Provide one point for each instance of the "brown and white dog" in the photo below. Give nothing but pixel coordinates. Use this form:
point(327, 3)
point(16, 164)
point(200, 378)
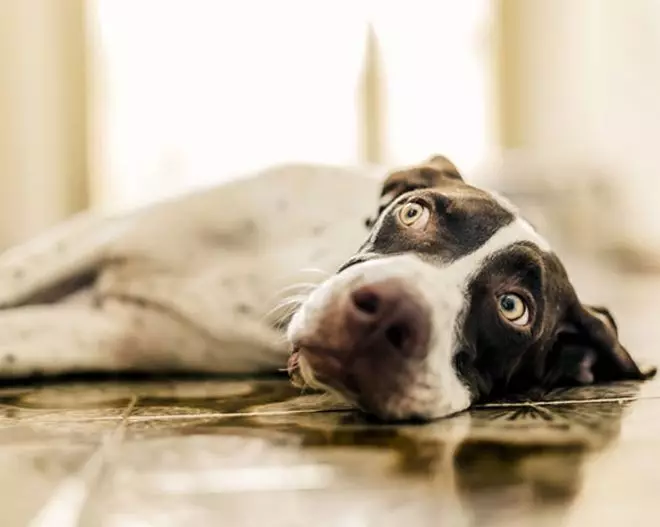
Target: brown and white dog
point(447, 297)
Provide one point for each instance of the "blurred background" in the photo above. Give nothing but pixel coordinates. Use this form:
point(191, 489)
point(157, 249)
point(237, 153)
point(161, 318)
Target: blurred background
point(111, 104)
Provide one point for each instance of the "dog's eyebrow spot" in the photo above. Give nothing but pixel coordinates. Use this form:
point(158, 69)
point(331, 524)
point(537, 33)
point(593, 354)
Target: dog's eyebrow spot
point(17, 274)
point(242, 309)
point(9, 358)
point(318, 230)
point(243, 235)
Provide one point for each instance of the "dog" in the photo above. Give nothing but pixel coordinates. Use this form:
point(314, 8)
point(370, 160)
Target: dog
point(417, 306)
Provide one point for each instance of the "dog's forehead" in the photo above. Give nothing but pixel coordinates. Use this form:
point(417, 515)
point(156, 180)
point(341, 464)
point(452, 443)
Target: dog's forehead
point(465, 222)
point(502, 244)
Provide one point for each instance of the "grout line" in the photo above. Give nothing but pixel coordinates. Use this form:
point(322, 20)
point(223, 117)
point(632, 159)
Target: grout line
point(50, 418)
point(139, 418)
point(53, 418)
point(67, 502)
point(567, 401)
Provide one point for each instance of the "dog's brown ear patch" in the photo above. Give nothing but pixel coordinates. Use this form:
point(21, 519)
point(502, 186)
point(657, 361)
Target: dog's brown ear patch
point(434, 172)
point(443, 164)
point(588, 350)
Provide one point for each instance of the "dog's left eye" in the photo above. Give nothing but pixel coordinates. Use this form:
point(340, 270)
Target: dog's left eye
point(414, 214)
point(513, 309)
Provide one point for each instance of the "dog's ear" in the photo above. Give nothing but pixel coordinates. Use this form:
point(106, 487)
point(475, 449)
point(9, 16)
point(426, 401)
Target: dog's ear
point(434, 172)
point(587, 350)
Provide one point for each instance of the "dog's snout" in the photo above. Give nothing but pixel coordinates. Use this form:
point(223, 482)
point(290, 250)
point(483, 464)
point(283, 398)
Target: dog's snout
point(378, 334)
point(387, 315)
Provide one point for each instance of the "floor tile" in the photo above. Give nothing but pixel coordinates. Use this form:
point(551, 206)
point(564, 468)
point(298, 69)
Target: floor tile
point(30, 474)
point(507, 465)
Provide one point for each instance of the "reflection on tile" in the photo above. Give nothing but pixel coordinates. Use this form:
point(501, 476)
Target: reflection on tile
point(618, 390)
point(55, 433)
point(116, 394)
point(234, 455)
point(196, 451)
point(612, 391)
point(494, 466)
point(31, 473)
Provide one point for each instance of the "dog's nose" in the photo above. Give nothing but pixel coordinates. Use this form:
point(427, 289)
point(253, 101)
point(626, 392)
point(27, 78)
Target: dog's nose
point(387, 315)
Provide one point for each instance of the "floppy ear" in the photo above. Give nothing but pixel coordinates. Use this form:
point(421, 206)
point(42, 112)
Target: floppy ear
point(587, 350)
point(432, 173)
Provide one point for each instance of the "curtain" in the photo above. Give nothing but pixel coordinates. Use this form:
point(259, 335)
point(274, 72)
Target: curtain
point(43, 172)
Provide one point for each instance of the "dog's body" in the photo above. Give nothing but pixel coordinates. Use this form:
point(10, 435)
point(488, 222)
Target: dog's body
point(209, 282)
point(200, 283)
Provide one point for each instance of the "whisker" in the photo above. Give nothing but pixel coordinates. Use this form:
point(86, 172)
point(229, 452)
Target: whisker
point(283, 321)
point(281, 338)
point(287, 302)
point(281, 315)
point(315, 270)
point(307, 285)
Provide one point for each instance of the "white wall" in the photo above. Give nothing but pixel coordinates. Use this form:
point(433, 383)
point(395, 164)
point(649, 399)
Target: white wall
point(581, 79)
point(42, 115)
point(190, 92)
point(438, 79)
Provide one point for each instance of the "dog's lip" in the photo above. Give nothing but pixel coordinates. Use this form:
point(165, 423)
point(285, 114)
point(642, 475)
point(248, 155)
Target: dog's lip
point(329, 368)
point(318, 355)
point(293, 369)
point(313, 354)
point(327, 364)
point(292, 362)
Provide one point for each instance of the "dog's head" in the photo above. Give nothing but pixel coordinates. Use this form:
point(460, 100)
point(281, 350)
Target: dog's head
point(452, 299)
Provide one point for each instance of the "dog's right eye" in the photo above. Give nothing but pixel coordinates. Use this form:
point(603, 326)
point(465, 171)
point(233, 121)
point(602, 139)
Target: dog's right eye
point(513, 308)
point(414, 214)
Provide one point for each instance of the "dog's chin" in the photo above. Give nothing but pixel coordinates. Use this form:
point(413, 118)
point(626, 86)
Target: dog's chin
point(315, 370)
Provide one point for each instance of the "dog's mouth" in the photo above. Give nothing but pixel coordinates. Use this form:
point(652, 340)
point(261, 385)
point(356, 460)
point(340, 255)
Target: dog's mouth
point(322, 370)
point(294, 370)
point(310, 367)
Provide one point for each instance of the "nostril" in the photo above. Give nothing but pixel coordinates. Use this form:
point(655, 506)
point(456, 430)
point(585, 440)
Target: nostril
point(366, 301)
point(397, 335)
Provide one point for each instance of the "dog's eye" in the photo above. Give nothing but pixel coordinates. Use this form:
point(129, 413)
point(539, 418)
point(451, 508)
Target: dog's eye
point(414, 214)
point(513, 309)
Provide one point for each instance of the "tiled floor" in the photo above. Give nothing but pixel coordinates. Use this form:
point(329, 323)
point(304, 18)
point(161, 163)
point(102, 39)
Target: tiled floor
point(201, 452)
point(254, 453)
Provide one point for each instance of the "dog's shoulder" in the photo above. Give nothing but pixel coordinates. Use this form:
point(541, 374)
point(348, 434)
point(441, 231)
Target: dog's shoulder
point(270, 206)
